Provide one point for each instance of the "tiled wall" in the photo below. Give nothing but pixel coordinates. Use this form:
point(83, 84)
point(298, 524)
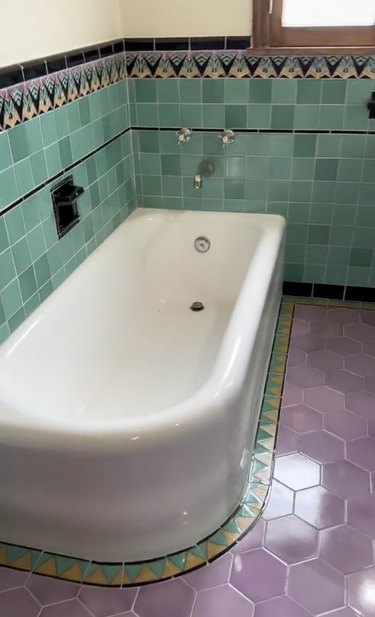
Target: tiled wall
point(89, 138)
point(303, 149)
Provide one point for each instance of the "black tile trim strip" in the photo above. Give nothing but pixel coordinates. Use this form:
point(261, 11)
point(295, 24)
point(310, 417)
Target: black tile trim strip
point(255, 131)
point(197, 43)
point(61, 173)
point(331, 292)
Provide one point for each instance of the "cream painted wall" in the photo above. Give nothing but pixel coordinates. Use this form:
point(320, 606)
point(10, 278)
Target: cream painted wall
point(34, 28)
point(152, 18)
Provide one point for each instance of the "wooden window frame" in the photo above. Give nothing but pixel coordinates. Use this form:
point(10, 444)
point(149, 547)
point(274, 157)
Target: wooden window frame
point(269, 34)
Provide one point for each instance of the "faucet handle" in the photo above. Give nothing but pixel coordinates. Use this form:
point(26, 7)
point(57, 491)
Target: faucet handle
point(184, 136)
point(227, 137)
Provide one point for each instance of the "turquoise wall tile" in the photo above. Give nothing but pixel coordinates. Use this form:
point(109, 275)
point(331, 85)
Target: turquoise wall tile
point(6, 159)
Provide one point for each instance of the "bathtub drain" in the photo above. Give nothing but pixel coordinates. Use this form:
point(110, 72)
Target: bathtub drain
point(197, 306)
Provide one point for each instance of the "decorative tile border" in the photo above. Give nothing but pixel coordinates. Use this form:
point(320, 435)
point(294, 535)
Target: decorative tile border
point(232, 531)
point(245, 64)
point(27, 100)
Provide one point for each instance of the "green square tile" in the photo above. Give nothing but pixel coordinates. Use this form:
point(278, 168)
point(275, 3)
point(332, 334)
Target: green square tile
point(258, 116)
point(323, 192)
point(284, 90)
point(33, 133)
point(260, 91)
point(339, 255)
point(2, 318)
point(316, 254)
point(298, 213)
point(7, 270)
point(303, 168)
point(188, 188)
point(15, 225)
point(344, 214)
point(151, 185)
point(214, 188)
point(170, 165)
point(235, 116)
point(356, 118)
point(234, 205)
point(341, 235)
point(36, 242)
point(297, 233)
point(306, 117)
point(319, 234)
point(149, 141)
point(293, 273)
point(278, 190)
point(314, 273)
point(257, 168)
point(367, 194)
point(234, 189)
point(347, 192)
point(147, 114)
point(280, 208)
point(191, 90)
point(190, 164)
point(281, 145)
point(42, 271)
point(24, 175)
point(359, 91)
point(321, 213)
point(258, 144)
point(349, 170)
point(328, 145)
point(368, 173)
point(65, 149)
point(5, 152)
point(256, 190)
point(334, 91)
point(191, 116)
point(18, 143)
point(304, 145)
point(213, 116)
point(48, 126)
point(150, 163)
point(169, 115)
point(257, 207)
point(295, 253)
point(237, 91)
point(53, 160)
point(11, 299)
point(280, 168)
point(21, 255)
point(61, 121)
point(331, 117)
point(28, 284)
point(358, 276)
point(213, 90)
point(309, 91)
point(300, 191)
point(145, 90)
point(74, 118)
point(353, 146)
point(9, 191)
point(167, 90)
point(84, 111)
point(235, 166)
point(282, 116)
point(361, 257)
point(172, 186)
point(39, 168)
point(326, 169)
point(4, 241)
point(363, 237)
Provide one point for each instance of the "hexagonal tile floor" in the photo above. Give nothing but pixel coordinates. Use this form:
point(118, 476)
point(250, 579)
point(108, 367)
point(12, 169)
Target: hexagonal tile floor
point(311, 554)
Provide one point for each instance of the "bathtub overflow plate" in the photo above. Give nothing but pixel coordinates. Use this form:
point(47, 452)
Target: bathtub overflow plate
point(202, 244)
point(196, 307)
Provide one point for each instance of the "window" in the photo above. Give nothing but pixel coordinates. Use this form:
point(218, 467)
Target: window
point(314, 23)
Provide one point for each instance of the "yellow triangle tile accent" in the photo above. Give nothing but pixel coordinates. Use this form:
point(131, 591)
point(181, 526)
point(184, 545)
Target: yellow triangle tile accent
point(97, 578)
point(146, 575)
point(244, 523)
point(73, 574)
point(270, 429)
point(3, 556)
point(192, 561)
point(268, 443)
point(214, 549)
point(24, 563)
point(125, 579)
point(262, 476)
point(231, 537)
point(173, 569)
point(167, 572)
point(260, 492)
point(48, 568)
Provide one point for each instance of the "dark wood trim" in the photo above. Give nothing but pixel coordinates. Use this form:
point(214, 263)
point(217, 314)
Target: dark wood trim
point(269, 34)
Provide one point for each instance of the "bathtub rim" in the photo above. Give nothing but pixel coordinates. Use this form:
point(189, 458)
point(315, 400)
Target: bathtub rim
point(217, 392)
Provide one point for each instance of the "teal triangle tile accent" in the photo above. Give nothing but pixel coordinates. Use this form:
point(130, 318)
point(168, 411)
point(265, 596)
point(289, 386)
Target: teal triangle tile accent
point(63, 564)
point(232, 527)
point(262, 435)
point(158, 567)
point(200, 551)
point(111, 572)
point(133, 571)
point(218, 538)
point(16, 552)
point(179, 560)
point(244, 512)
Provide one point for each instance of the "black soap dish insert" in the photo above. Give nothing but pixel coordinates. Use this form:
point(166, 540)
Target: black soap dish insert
point(65, 196)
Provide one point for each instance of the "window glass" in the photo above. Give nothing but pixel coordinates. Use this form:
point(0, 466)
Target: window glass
point(315, 13)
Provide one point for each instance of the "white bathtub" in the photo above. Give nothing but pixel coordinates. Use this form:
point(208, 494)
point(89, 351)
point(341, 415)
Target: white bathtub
point(126, 420)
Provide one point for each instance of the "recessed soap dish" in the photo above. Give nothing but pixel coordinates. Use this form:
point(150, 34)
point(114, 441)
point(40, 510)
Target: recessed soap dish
point(65, 196)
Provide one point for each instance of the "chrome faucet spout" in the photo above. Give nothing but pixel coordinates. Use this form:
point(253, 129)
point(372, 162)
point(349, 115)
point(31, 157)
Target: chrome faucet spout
point(198, 181)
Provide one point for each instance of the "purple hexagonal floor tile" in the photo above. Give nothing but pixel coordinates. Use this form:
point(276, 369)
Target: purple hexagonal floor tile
point(361, 452)
point(297, 471)
point(317, 586)
point(322, 447)
point(308, 342)
point(325, 360)
point(258, 575)
point(362, 403)
point(292, 395)
point(360, 332)
point(213, 575)
point(361, 594)
point(319, 507)
point(70, 608)
point(368, 317)
point(346, 479)
point(305, 377)
point(327, 329)
point(343, 315)
point(370, 384)
point(221, 602)
point(343, 612)
point(50, 590)
point(310, 313)
point(361, 514)
point(346, 425)
point(287, 441)
point(346, 549)
point(280, 607)
point(104, 602)
point(161, 600)
point(324, 399)
point(280, 502)
point(369, 348)
point(296, 357)
point(253, 539)
point(344, 381)
point(300, 327)
point(344, 346)
point(18, 603)
point(291, 539)
point(10, 579)
point(301, 418)
point(361, 364)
